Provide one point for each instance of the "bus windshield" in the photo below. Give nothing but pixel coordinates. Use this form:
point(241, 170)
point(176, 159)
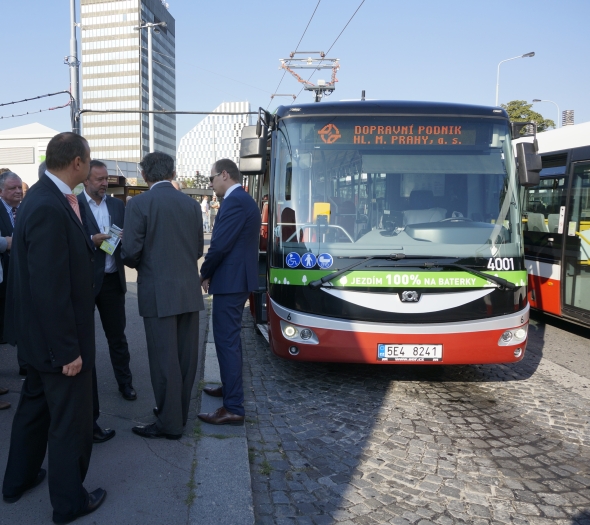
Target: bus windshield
point(354, 186)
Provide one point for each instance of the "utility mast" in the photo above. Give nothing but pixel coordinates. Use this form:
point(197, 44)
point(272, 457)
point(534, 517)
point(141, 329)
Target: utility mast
point(323, 88)
point(72, 61)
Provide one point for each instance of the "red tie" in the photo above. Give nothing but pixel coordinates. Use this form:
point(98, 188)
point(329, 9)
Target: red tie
point(74, 204)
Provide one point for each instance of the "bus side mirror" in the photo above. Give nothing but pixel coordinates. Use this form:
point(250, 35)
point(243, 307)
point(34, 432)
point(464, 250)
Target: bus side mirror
point(253, 150)
point(529, 164)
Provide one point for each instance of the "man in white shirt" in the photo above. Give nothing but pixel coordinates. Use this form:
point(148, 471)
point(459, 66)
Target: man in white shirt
point(100, 212)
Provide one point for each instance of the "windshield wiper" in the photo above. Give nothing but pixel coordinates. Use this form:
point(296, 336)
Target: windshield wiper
point(328, 278)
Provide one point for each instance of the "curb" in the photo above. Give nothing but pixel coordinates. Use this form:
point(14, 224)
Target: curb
point(223, 489)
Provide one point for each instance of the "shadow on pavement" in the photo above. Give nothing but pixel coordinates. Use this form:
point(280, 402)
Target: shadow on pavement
point(331, 443)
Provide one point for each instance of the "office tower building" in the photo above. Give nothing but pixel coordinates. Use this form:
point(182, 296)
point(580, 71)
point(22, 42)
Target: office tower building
point(115, 76)
point(215, 137)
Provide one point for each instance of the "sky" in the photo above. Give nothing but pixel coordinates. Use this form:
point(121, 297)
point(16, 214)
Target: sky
point(229, 50)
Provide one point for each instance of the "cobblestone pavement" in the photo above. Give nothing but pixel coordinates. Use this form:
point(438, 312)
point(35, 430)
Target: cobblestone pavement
point(356, 444)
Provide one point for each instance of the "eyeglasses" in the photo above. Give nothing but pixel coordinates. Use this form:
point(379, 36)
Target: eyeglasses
point(213, 176)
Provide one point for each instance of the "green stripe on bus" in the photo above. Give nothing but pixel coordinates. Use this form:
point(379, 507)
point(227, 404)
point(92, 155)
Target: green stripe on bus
point(396, 279)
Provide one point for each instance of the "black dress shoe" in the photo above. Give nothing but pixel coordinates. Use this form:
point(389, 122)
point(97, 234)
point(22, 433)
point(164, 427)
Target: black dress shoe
point(156, 411)
point(221, 417)
point(22, 371)
point(128, 392)
point(4, 405)
point(152, 432)
point(100, 435)
point(213, 391)
point(40, 477)
point(95, 500)
point(3, 390)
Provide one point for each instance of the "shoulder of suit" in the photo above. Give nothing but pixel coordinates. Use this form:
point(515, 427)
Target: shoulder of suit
point(115, 201)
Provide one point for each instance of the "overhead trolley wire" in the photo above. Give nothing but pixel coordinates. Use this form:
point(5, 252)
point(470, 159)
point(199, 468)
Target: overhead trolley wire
point(333, 43)
point(298, 44)
point(36, 98)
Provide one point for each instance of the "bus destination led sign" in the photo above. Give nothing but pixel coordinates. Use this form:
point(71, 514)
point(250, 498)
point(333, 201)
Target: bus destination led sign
point(408, 135)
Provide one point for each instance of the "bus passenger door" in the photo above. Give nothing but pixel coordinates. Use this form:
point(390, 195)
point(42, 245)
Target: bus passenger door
point(543, 224)
point(576, 292)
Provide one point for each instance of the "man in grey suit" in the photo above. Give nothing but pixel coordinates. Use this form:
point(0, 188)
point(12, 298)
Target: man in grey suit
point(163, 239)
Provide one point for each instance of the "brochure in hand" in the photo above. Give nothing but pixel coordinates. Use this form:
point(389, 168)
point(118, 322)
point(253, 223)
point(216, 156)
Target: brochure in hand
point(110, 245)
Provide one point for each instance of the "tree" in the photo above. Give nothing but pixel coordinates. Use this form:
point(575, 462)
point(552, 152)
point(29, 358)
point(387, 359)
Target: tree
point(521, 111)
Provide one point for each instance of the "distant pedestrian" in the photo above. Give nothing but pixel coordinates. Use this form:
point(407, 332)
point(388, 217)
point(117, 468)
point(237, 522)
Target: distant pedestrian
point(50, 285)
point(163, 239)
point(25, 189)
point(214, 210)
point(230, 273)
point(205, 211)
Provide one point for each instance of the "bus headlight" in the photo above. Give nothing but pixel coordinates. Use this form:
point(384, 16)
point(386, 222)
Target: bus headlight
point(306, 334)
point(299, 334)
point(289, 331)
point(506, 336)
point(513, 337)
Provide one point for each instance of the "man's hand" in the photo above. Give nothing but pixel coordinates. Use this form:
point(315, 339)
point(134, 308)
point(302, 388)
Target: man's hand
point(205, 284)
point(98, 238)
point(73, 368)
point(8, 242)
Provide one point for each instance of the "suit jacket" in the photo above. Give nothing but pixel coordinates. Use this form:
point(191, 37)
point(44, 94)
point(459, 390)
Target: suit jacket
point(6, 230)
point(51, 282)
point(117, 212)
point(163, 239)
point(232, 259)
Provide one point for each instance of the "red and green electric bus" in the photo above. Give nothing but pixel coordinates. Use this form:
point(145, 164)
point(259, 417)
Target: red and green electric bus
point(391, 232)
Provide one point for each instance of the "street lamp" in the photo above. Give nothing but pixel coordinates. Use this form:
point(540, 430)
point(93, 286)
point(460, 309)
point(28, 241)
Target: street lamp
point(526, 55)
point(558, 113)
point(150, 27)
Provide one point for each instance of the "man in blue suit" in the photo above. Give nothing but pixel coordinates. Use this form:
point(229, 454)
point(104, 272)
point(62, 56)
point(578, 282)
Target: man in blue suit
point(230, 273)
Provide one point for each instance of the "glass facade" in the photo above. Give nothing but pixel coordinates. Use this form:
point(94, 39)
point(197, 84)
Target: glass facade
point(215, 137)
point(115, 76)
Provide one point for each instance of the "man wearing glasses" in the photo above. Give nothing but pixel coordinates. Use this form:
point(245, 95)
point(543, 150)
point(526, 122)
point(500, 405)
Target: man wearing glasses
point(230, 273)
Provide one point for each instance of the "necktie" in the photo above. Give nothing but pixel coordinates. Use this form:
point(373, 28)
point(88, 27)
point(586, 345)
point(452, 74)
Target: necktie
point(14, 216)
point(74, 204)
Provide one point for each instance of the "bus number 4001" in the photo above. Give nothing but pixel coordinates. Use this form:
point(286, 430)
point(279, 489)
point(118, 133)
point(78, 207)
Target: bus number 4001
point(501, 263)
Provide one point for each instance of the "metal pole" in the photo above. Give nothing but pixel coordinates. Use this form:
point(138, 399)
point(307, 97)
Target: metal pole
point(74, 66)
point(151, 89)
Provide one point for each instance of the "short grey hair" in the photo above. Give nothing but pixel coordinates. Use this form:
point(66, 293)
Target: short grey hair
point(157, 166)
point(7, 175)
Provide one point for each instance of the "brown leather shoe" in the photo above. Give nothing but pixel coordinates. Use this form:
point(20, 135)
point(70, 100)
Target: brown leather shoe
point(213, 391)
point(3, 390)
point(221, 417)
point(4, 405)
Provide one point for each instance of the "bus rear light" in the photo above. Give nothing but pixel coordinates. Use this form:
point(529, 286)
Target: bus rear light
point(513, 337)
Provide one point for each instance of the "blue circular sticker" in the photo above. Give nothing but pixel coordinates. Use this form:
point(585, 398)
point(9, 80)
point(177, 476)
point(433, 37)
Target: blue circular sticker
point(293, 260)
point(325, 261)
point(308, 260)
